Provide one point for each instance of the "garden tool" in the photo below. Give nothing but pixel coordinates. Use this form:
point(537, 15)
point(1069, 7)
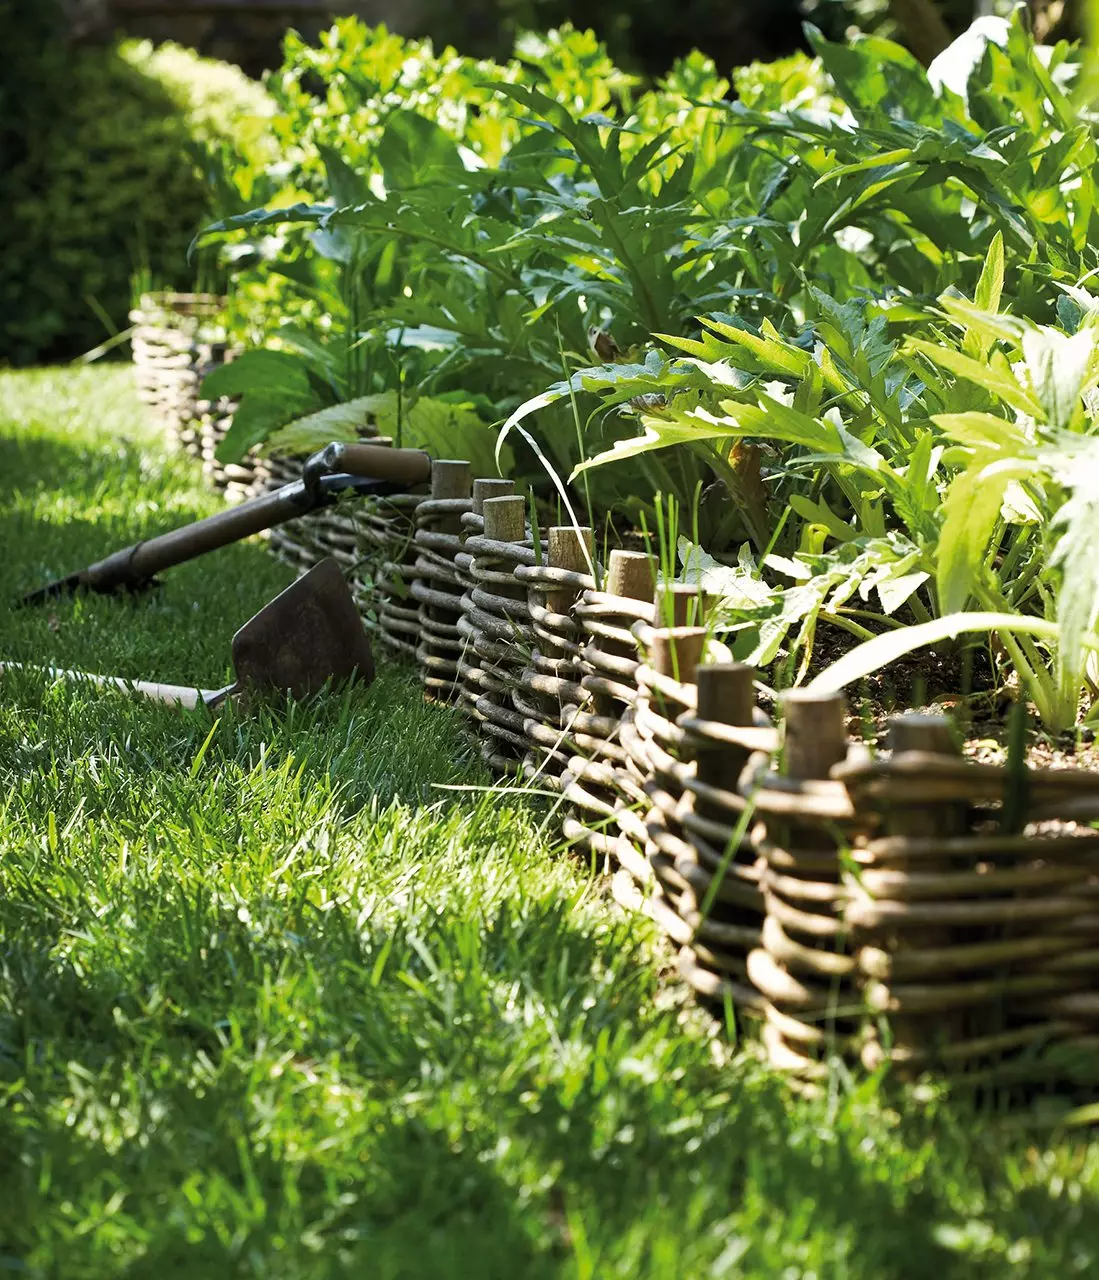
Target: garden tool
point(340, 468)
point(309, 635)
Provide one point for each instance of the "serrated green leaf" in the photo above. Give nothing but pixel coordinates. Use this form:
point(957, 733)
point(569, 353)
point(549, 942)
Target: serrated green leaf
point(738, 588)
point(344, 184)
point(657, 434)
point(882, 160)
point(1060, 367)
point(1002, 385)
point(338, 423)
point(273, 387)
point(256, 418)
point(983, 431)
point(893, 592)
point(821, 513)
point(979, 323)
point(875, 75)
point(263, 372)
point(801, 603)
point(444, 429)
point(776, 354)
point(772, 420)
point(414, 151)
point(789, 568)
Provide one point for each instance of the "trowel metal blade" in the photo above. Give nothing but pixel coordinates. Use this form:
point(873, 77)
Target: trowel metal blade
point(309, 635)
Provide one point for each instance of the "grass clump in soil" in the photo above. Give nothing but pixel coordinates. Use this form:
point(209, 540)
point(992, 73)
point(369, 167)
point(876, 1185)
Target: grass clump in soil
point(273, 1005)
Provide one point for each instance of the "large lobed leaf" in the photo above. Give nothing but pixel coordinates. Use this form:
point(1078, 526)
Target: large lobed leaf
point(444, 428)
point(273, 387)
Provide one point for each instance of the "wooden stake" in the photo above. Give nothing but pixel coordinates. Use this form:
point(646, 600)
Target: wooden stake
point(916, 731)
point(919, 732)
point(686, 604)
point(568, 548)
point(816, 732)
point(483, 489)
point(677, 651)
point(506, 518)
point(726, 694)
point(450, 478)
point(631, 574)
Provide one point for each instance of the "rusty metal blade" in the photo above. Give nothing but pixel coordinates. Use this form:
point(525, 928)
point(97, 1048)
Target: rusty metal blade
point(309, 635)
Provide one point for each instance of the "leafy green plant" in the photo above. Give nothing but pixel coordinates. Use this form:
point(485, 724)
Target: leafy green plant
point(443, 425)
point(845, 269)
point(496, 278)
point(913, 483)
point(293, 401)
point(1022, 509)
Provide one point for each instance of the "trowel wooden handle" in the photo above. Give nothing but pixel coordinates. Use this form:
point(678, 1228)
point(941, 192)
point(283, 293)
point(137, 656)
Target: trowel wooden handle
point(378, 462)
point(176, 694)
point(133, 566)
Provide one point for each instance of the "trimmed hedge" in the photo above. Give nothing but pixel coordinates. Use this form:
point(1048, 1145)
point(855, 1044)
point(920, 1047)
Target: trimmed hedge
point(97, 180)
point(218, 101)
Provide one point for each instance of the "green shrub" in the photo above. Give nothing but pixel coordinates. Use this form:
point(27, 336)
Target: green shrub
point(218, 101)
point(99, 181)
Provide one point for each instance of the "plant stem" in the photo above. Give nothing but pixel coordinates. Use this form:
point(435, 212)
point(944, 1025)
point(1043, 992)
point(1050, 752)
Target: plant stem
point(1027, 662)
point(847, 624)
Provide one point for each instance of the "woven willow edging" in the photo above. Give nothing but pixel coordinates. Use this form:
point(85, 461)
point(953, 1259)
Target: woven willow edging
point(549, 693)
point(970, 902)
point(167, 352)
point(496, 630)
point(470, 672)
point(597, 783)
point(437, 588)
point(176, 341)
point(910, 909)
point(913, 909)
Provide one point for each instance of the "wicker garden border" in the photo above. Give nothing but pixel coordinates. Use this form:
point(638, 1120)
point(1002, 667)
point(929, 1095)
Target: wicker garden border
point(910, 909)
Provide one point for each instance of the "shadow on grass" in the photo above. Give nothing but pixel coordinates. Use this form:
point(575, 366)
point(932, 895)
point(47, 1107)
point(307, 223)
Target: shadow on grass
point(30, 461)
point(212, 1195)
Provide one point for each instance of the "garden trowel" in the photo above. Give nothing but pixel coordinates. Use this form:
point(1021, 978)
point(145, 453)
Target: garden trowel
point(339, 468)
point(309, 636)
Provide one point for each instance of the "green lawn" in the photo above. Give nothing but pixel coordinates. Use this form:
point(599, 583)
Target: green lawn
point(274, 1005)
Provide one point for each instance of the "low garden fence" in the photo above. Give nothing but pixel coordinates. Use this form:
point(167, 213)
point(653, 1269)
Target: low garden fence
point(904, 907)
point(907, 908)
point(176, 340)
